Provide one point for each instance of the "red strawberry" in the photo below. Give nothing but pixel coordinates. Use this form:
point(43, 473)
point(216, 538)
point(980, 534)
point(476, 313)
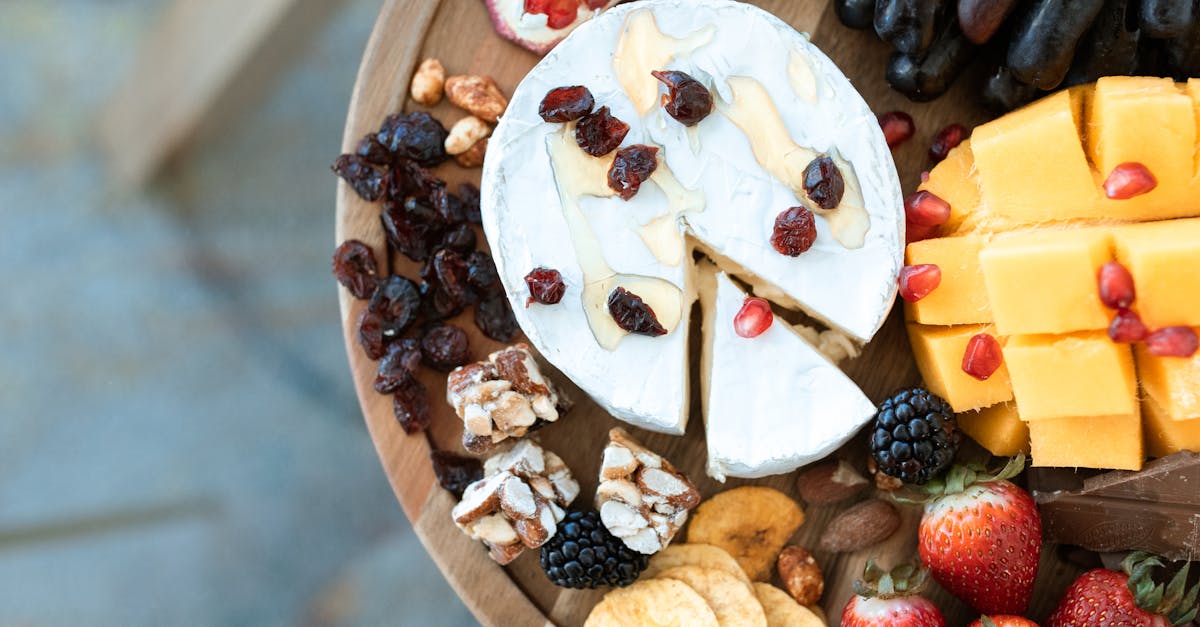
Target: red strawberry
point(1101, 597)
point(981, 537)
point(1003, 620)
point(892, 599)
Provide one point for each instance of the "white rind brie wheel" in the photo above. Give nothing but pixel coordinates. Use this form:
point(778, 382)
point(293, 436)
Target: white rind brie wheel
point(733, 174)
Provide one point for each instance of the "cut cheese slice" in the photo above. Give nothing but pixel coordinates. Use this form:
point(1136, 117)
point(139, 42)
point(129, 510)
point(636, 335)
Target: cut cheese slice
point(772, 403)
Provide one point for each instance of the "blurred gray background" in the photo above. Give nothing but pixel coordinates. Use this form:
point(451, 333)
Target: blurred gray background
point(179, 440)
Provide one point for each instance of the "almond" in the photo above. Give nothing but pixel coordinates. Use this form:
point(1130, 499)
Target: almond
point(863, 525)
point(801, 575)
point(832, 481)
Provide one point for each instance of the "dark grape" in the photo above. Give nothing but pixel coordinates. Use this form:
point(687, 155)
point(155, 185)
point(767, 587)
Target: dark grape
point(909, 25)
point(1002, 92)
point(858, 14)
point(923, 79)
point(1045, 37)
point(980, 19)
point(1167, 19)
point(1182, 54)
point(1110, 46)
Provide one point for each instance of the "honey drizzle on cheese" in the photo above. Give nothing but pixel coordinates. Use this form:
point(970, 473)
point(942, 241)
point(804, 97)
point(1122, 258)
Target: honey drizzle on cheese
point(643, 48)
point(800, 75)
point(661, 234)
point(578, 174)
point(753, 111)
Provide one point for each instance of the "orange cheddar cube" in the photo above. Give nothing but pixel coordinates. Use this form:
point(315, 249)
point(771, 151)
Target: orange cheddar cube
point(1149, 121)
point(1031, 163)
point(939, 352)
point(1044, 281)
point(1165, 435)
point(1088, 442)
point(1069, 376)
point(1173, 382)
point(997, 428)
point(961, 297)
point(1164, 259)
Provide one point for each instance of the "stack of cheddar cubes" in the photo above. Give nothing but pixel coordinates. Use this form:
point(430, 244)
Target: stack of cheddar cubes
point(1030, 227)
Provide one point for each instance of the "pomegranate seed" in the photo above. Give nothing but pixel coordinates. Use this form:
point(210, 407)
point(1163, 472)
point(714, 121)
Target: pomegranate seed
point(925, 176)
point(926, 209)
point(1127, 327)
point(916, 282)
point(897, 127)
point(982, 357)
point(1128, 180)
point(1173, 342)
point(918, 232)
point(1116, 285)
point(945, 140)
point(753, 318)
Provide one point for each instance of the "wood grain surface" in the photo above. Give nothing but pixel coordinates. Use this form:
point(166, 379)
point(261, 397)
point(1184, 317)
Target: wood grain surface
point(459, 33)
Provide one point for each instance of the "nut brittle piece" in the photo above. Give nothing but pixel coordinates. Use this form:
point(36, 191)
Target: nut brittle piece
point(642, 498)
point(504, 396)
point(518, 503)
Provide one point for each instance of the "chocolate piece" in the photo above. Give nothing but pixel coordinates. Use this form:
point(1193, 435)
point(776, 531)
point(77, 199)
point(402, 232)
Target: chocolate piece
point(1155, 509)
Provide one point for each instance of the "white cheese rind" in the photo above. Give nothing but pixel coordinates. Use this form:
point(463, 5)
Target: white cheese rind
point(773, 403)
point(644, 381)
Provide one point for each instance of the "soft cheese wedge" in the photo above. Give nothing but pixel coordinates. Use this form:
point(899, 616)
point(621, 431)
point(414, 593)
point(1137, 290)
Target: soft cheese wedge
point(1030, 226)
point(772, 403)
point(779, 104)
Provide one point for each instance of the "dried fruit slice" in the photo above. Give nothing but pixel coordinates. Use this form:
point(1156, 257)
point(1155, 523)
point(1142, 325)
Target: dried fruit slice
point(537, 25)
point(782, 610)
point(652, 602)
point(734, 604)
point(695, 554)
point(752, 523)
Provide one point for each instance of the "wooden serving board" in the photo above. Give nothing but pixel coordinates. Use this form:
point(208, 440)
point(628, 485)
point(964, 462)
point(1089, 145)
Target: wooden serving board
point(458, 32)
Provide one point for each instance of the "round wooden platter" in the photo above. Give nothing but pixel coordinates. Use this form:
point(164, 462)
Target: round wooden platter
point(459, 33)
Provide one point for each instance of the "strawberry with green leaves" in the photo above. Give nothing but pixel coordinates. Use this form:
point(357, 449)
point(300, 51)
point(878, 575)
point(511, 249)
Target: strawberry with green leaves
point(891, 599)
point(981, 536)
point(1003, 620)
point(1102, 597)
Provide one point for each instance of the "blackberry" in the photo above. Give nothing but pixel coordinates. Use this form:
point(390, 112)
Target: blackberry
point(914, 436)
point(583, 554)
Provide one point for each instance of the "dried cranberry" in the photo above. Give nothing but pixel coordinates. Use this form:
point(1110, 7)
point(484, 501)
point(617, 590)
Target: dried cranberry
point(447, 206)
point(461, 239)
point(563, 104)
point(410, 403)
point(494, 317)
point(409, 179)
point(482, 275)
point(412, 228)
point(436, 304)
point(374, 152)
point(397, 302)
point(445, 347)
point(823, 182)
point(599, 133)
point(795, 231)
point(686, 100)
point(632, 165)
point(1127, 327)
point(945, 141)
point(917, 281)
point(898, 127)
point(633, 314)
point(469, 194)
point(398, 365)
point(1128, 180)
point(370, 334)
point(417, 136)
point(367, 181)
point(1173, 342)
point(545, 286)
point(1115, 285)
point(455, 472)
point(450, 273)
point(354, 267)
point(983, 356)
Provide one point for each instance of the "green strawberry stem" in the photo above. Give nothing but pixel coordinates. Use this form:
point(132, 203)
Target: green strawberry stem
point(1172, 601)
point(907, 579)
point(960, 477)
